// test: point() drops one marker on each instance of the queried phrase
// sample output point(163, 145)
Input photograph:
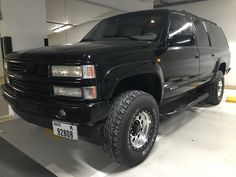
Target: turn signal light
point(90, 93)
point(89, 72)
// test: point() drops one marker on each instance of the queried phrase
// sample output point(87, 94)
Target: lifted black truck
point(117, 77)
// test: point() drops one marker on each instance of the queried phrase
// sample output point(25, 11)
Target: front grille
point(32, 71)
point(41, 70)
point(28, 69)
point(31, 87)
point(14, 67)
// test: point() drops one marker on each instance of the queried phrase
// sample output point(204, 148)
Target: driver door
point(180, 62)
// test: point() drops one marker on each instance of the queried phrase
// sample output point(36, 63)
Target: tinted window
point(179, 26)
point(217, 36)
point(128, 27)
point(201, 34)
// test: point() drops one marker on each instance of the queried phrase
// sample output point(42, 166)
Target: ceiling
point(77, 12)
point(71, 12)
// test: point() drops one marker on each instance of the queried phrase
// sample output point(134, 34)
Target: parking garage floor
point(198, 142)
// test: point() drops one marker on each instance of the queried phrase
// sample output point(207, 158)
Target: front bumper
point(41, 111)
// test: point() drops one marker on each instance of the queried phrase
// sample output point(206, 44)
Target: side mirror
point(181, 40)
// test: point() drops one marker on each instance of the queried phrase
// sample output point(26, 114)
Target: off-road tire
point(116, 129)
point(212, 89)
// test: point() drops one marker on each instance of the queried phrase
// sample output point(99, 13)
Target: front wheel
point(130, 131)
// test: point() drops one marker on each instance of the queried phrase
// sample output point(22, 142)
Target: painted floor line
point(58, 171)
point(5, 118)
point(231, 99)
point(109, 168)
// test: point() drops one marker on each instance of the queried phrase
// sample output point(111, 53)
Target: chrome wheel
point(220, 88)
point(140, 129)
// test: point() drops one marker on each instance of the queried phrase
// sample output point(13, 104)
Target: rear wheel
point(216, 89)
point(130, 131)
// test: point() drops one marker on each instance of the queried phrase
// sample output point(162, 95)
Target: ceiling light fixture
point(62, 28)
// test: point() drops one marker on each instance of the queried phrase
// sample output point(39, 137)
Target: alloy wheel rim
point(140, 129)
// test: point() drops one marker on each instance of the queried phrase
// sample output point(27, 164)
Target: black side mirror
point(181, 40)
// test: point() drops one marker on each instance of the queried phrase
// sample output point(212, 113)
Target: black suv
point(115, 80)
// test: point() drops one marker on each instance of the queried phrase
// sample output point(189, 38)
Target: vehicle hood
point(84, 51)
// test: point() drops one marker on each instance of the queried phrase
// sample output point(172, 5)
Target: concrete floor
point(1, 79)
point(3, 106)
point(198, 142)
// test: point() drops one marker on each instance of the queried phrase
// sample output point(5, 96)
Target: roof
point(165, 11)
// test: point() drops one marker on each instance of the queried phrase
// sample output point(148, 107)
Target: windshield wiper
point(122, 36)
point(86, 40)
point(113, 36)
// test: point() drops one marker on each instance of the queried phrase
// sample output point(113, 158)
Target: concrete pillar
point(25, 22)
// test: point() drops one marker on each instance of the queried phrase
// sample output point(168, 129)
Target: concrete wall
point(224, 14)
point(25, 22)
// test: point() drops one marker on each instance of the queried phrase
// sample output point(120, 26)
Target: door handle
point(212, 54)
point(197, 56)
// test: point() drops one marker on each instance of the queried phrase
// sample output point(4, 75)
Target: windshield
point(145, 27)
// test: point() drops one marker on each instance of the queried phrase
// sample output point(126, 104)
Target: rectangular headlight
point(66, 71)
point(66, 91)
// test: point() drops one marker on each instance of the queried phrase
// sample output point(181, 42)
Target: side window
point(217, 36)
point(179, 26)
point(201, 34)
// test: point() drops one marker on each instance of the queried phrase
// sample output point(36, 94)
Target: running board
point(183, 106)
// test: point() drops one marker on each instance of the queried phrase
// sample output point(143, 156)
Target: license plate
point(65, 130)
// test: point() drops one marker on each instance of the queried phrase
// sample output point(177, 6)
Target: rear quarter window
point(217, 36)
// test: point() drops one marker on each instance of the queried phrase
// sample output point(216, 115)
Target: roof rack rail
point(199, 17)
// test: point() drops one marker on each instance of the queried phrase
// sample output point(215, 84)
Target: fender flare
point(217, 66)
point(116, 74)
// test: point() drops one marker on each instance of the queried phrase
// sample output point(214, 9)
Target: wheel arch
point(220, 66)
point(144, 76)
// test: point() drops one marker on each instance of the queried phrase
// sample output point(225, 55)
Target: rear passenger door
point(206, 53)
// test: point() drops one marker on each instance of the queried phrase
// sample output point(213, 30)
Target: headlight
point(85, 71)
point(5, 65)
point(65, 91)
point(66, 71)
point(87, 93)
